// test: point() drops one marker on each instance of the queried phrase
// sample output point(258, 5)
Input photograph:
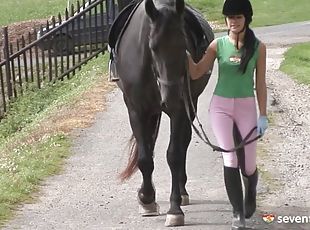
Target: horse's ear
point(151, 10)
point(179, 6)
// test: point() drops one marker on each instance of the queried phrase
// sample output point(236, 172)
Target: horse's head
point(167, 43)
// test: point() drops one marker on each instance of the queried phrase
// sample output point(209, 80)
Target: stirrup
point(113, 78)
point(112, 72)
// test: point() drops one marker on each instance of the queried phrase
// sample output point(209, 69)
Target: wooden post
point(6, 52)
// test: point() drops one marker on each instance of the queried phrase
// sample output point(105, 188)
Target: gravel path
point(287, 140)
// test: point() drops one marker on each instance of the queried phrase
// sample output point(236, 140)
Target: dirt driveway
point(88, 195)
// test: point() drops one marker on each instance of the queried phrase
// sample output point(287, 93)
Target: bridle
point(188, 99)
point(169, 82)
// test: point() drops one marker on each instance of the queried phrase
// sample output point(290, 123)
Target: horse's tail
point(132, 164)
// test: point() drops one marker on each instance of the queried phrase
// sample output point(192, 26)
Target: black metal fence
point(59, 49)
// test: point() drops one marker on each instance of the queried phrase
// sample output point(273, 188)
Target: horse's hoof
point(185, 200)
point(151, 209)
point(174, 220)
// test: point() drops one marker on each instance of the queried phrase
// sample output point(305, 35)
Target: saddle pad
point(198, 24)
point(120, 23)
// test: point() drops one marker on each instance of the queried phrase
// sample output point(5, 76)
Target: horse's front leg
point(176, 156)
point(146, 193)
point(185, 135)
point(145, 129)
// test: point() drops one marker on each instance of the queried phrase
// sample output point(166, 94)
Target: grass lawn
point(17, 10)
point(266, 12)
point(297, 63)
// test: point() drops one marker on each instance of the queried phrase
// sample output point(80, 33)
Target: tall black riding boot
point(250, 183)
point(234, 191)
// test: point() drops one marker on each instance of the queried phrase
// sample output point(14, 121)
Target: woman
point(239, 55)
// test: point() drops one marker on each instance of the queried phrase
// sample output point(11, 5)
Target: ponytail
point(248, 49)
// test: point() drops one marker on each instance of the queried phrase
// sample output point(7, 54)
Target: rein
point(203, 135)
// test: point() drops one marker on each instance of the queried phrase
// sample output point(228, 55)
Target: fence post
point(6, 53)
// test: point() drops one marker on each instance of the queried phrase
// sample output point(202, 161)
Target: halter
point(170, 82)
point(160, 81)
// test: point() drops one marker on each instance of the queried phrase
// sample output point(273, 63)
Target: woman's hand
point(262, 125)
point(205, 64)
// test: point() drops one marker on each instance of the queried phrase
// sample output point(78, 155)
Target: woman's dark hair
point(249, 46)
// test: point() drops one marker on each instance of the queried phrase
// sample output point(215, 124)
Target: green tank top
point(232, 83)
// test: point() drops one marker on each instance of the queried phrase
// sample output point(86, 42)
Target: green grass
point(266, 12)
point(211, 9)
point(21, 10)
point(24, 164)
point(297, 63)
point(273, 12)
point(24, 106)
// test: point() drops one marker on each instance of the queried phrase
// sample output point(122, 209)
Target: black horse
point(152, 67)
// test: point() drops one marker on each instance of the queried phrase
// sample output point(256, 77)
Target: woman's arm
point(261, 88)
point(205, 64)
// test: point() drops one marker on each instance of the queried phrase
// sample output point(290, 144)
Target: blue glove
point(262, 125)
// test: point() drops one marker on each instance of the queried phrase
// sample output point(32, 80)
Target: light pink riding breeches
point(223, 113)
